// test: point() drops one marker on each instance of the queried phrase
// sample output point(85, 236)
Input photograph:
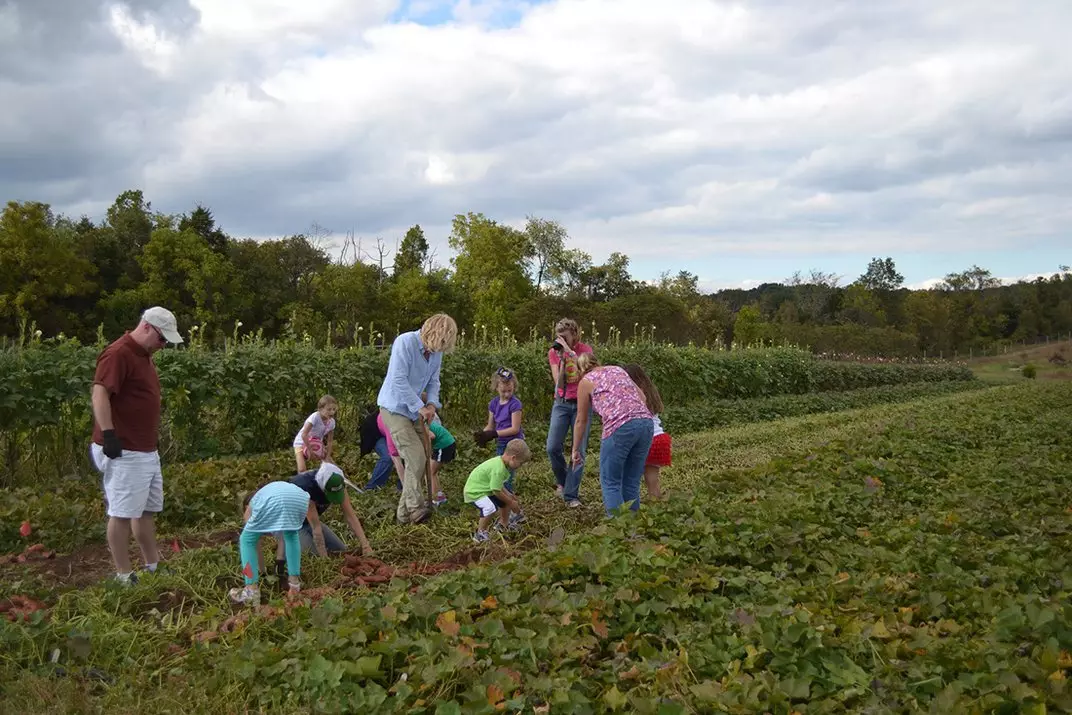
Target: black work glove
point(482, 437)
point(113, 449)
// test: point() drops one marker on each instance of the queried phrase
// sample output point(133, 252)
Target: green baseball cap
point(330, 480)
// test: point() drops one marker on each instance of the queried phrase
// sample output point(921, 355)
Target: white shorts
point(132, 482)
point(486, 506)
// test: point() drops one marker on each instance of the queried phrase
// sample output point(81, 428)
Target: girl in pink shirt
point(628, 429)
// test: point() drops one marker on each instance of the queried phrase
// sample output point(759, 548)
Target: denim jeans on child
point(567, 475)
point(383, 467)
point(621, 463)
point(332, 543)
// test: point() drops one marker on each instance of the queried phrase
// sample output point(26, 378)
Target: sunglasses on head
point(505, 373)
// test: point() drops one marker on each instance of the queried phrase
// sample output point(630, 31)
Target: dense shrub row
point(253, 396)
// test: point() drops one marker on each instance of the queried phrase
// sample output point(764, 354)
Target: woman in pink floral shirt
point(627, 429)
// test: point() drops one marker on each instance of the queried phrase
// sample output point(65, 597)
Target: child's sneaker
point(249, 595)
point(481, 536)
point(440, 499)
point(518, 517)
point(126, 580)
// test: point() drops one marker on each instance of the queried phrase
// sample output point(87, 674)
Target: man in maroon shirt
point(126, 415)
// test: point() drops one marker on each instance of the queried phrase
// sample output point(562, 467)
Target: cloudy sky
point(740, 140)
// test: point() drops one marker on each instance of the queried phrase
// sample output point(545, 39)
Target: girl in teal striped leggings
point(276, 507)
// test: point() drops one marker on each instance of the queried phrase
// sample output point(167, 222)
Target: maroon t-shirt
point(127, 371)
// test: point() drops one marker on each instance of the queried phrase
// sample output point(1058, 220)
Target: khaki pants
point(407, 437)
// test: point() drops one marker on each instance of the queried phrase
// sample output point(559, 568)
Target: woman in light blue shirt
point(416, 359)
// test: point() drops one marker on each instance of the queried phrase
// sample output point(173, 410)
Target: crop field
point(887, 555)
point(250, 398)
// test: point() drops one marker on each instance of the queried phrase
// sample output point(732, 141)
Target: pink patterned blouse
point(616, 398)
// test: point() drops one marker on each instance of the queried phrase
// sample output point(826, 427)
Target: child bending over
point(275, 507)
point(485, 489)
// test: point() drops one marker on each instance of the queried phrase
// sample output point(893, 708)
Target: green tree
point(861, 306)
point(881, 275)
point(37, 270)
point(568, 274)
point(412, 252)
point(610, 280)
point(748, 327)
point(975, 278)
point(684, 285)
point(491, 266)
point(184, 273)
point(201, 222)
point(548, 241)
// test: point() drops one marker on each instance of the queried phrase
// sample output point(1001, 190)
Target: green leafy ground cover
point(200, 495)
point(906, 558)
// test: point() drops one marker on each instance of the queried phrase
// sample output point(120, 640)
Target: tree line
point(77, 277)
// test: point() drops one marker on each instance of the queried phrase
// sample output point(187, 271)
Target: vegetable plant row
point(252, 397)
point(925, 568)
point(198, 494)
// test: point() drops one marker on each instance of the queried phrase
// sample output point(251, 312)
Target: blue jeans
point(509, 483)
point(332, 543)
point(621, 463)
point(567, 476)
point(383, 467)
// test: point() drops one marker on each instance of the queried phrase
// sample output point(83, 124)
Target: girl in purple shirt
point(504, 415)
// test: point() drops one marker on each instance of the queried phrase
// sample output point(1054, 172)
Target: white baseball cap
point(163, 320)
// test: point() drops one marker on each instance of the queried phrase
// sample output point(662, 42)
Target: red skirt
point(659, 454)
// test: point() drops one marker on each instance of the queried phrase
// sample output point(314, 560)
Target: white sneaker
point(481, 536)
point(559, 490)
point(574, 503)
point(246, 595)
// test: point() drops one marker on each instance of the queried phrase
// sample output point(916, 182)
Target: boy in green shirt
point(444, 450)
point(484, 489)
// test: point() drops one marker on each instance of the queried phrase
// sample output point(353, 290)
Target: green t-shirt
point(486, 479)
point(441, 438)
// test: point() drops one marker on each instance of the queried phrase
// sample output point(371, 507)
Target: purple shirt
point(502, 416)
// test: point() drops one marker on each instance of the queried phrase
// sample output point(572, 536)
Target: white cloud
point(672, 130)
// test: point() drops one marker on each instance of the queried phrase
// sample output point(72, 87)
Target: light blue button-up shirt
point(408, 375)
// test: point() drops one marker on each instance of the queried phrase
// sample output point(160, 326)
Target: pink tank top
point(616, 398)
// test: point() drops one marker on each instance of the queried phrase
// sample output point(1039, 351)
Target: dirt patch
point(20, 608)
point(92, 563)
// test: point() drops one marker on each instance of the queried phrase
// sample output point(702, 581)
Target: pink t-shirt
point(616, 398)
point(391, 449)
point(573, 376)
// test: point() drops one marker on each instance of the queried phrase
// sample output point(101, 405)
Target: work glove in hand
point(113, 449)
point(482, 437)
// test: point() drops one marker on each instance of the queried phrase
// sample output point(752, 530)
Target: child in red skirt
point(659, 454)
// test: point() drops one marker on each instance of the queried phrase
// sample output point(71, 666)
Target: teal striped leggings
point(249, 551)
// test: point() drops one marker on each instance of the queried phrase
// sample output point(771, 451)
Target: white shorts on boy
point(486, 506)
point(133, 483)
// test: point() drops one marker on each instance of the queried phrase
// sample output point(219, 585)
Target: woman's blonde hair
point(325, 401)
point(503, 375)
point(439, 333)
point(568, 325)
point(586, 362)
point(651, 393)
